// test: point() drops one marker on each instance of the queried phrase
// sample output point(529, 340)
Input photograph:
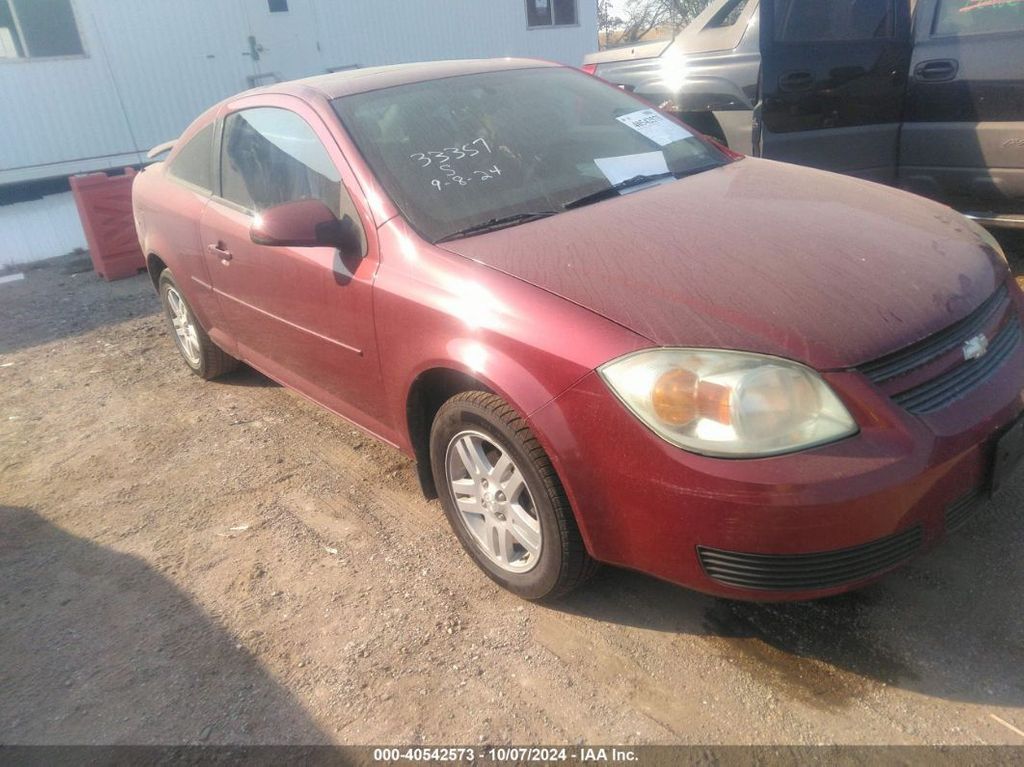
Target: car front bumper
point(797, 526)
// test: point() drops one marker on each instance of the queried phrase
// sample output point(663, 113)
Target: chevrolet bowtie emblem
point(976, 348)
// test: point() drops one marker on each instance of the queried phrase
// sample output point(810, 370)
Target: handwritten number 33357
point(425, 159)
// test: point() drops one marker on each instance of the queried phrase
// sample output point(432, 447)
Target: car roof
point(349, 81)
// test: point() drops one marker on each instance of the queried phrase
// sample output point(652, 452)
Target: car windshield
point(465, 154)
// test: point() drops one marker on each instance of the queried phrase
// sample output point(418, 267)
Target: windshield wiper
point(498, 223)
point(616, 189)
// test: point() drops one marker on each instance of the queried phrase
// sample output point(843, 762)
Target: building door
point(282, 41)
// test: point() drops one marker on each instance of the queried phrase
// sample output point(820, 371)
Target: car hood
point(759, 256)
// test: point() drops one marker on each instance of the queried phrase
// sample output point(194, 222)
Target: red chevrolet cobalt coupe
point(602, 337)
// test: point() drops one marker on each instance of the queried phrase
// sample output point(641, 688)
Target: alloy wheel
point(493, 501)
point(184, 326)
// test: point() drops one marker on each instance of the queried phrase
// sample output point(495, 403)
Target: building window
point(278, 6)
point(38, 28)
point(550, 13)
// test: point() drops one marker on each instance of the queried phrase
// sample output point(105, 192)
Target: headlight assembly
point(728, 404)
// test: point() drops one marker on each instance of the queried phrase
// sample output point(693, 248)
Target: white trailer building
point(91, 84)
point(94, 84)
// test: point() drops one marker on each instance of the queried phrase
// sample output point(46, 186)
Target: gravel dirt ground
point(190, 562)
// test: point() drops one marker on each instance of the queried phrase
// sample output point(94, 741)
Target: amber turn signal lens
point(714, 401)
point(680, 397)
point(674, 397)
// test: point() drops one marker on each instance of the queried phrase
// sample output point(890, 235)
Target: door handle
point(220, 251)
point(936, 70)
point(796, 81)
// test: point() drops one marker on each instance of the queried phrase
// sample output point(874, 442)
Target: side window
point(728, 15)
point(551, 13)
point(271, 156)
point(978, 17)
point(193, 163)
point(829, 20)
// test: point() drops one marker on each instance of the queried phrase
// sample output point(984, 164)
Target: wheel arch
point(155, 266)
point(464, 364)
point(430, 389)
point(439, 382)
point(192, 289)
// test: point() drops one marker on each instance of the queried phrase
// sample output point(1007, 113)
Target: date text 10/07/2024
point(510, 754)
point(445, 157)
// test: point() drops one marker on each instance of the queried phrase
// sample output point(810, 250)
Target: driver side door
point(302, 315)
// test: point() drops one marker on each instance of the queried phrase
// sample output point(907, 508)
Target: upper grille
point(806, 572)
point(920, 354)
point(941, 391)
point(928, 376)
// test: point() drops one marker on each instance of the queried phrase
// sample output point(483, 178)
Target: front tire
point(203, 356)
point(503, 499)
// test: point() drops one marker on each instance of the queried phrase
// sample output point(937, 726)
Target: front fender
point(436, 309)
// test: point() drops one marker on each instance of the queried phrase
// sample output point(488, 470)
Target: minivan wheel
point(203, 356)
point(503, 499)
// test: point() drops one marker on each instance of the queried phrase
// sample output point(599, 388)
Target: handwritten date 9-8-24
point(454, 178)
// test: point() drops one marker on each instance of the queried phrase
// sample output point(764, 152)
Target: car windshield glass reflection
point(472, 153)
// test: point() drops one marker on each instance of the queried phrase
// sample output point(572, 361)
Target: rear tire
point(203, 356)
point(510, 512)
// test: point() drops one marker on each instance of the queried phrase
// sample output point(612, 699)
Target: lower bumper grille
point(961, 511)
point(805, 572)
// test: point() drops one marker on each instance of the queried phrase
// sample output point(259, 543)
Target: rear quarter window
point(193, 164)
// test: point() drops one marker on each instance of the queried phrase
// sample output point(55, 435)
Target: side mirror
point(305, 224)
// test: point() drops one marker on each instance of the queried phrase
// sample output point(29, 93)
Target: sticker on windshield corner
point(655, 126)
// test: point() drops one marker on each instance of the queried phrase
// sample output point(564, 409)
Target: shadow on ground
point(111, 651)
point(244, 376)
point(948, 625)
point(56, 302)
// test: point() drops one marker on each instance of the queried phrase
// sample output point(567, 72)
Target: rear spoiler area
point(160, 149)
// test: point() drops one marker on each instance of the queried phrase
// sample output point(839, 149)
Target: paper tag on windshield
point(618, 169)
point(655, 126)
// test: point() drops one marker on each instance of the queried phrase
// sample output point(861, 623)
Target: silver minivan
point(926, 95)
